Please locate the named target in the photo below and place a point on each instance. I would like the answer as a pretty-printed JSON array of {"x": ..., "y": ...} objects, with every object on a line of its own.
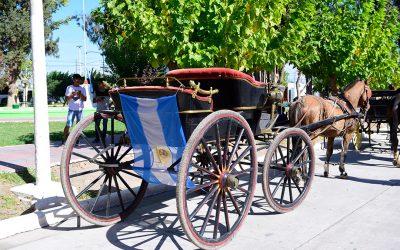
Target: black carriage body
[
  {"x": 381, "y": 103},
  {"x": 236, "y": 91}
]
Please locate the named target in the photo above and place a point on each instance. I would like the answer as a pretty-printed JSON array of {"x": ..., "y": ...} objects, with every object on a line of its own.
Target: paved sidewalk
[
  {"x": 19, "y": 157},
  {"x": 361, "y": 212}
]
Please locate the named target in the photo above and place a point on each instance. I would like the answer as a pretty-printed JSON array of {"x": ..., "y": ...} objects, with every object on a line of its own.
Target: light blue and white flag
[{"x": 157, "y": 138}]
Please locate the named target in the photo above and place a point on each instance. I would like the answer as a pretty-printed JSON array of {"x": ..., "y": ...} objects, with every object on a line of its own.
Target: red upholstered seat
[{"x": 211, "y": 73}]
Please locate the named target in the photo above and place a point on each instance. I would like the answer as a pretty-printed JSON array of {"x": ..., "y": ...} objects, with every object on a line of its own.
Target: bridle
[{"x": 364, "y": 107}]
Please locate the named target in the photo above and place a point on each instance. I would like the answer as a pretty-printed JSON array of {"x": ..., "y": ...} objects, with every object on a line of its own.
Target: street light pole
[{"x": 79, "y": 59}]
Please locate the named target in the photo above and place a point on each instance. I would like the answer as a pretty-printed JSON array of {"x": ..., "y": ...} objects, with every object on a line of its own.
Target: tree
[
  {"x": 352, "y": 39},
  {"x": 57, "y": 83},
  {"x": 15, "y": 42},
  {"x": 245, "y": 35}
]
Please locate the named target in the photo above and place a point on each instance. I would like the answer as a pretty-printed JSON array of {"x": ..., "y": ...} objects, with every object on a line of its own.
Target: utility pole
[
  {"x": 42, "y": 140},
  {"x": 84, "y": 37}
]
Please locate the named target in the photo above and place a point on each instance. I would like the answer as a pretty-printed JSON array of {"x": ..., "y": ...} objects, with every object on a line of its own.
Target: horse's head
[
  {"x": 366, "y": 94},
  {"x": 358, "y": 94}
]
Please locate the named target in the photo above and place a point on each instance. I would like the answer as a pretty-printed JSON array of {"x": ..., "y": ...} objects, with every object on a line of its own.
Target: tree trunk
[
  {"x": 298, "y": 84},
  {"x": 12, "y": 94},
  {"x": 309, "y": 86},
  {"x": 332, "y": 85},
  {"x": 281, "y": 75}
]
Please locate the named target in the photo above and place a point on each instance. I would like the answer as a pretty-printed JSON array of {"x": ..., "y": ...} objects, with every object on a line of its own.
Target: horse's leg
[
  {"x": 394, "y": 141},
  {"x": 329, "y": 151},
  {"x": 393, "y": 130},
  {"x": 345, "y": 146}
]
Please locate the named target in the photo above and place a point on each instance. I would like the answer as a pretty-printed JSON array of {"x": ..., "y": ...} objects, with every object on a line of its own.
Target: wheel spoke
[
  {"x": 287, "y": 149},
  {"x": 112, "y": 136},
  {"x": 243, "y": 190},
  {"x": 119, "y": 193},
  {"x": 226, "y": 149},
  {"x": 103, "y": 143},
  {"x": 203, "y": 227},
  {"x": 98, "y": 194},
  {"x": 300, "y": 154},
  {"x": 233, "y": 201},
  {"x": 281, "y": 154},
  {"x": 83, "y": 156},
  {"x": 92, "y": 145},
  {"x": 126, "y": 185},
  {"x": 108, "y": 198},
  {"x": 236, "y": 146},
  {"x": 203, "y": 169},
  {"x": 294, "y": 148},
  {"x": 197, "y": 209},
  {"x": 277, "y": 186},
  {"x": 290, "y": 189},
  {"x": 242, "y": 155},
  {"x": 189, "y": 191},
  {"x": 302, "y": 163},
  {"x": 217, "y": 213},
  {"x": 89, "y": 186},
  {"x": 297, "y": 186},
  {"x": 228, "y": 228},
  {"x": 84, "y": 173},
  {"x": 218, "y": 143},
  {"x": 132, "y": 174},
  {"x": 126, "y": 152},
  {"x": 120, "y": 144},
  {"x": 210, "y": 157},
  {"x": 246, "y": 171},
  {"x": 283, "y": 190}
]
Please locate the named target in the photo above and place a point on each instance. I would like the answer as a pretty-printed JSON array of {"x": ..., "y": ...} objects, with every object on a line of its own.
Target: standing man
[
  {"x": 75, "y": 95},
  {"x": 102, "y": 98}
]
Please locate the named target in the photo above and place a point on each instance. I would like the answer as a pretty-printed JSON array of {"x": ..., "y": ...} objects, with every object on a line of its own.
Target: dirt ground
[{"x": 10, "y": 205}]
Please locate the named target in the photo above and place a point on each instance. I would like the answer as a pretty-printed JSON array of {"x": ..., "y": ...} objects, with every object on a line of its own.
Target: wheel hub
[
  {"x": 292, "y": 171},
  {"x": 229, "y": 180}
]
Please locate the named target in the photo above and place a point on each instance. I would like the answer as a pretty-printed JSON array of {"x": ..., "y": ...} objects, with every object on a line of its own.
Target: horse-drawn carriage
[{"x": 199, "y": 130}]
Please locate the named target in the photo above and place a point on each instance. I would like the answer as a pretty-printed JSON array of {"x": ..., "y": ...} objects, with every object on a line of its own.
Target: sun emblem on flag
[{"x": 164, "y": 155}]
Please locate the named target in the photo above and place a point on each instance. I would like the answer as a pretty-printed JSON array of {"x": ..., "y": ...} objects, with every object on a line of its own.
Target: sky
[{"x": 71, "y": 36}]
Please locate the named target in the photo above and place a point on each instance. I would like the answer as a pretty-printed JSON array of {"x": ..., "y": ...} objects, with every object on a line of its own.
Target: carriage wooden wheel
[
  {"x": 96, "y": 177},
  {"x": 288, "y": 170},
  {"x": 211, "y": 212}
]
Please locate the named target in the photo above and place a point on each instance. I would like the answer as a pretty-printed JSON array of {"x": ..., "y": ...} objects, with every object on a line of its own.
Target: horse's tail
[{"x": 296, "y": 113}]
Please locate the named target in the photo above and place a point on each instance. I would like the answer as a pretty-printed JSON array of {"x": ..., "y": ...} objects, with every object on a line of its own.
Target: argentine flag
[{"x": 157, "y": 138}]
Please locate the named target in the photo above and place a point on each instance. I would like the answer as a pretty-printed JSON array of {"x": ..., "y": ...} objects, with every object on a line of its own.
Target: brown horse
[{"x": 311, "y": 109}]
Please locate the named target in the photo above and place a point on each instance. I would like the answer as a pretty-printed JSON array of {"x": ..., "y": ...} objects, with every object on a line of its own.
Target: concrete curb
[{"x": 52, "y": 216}]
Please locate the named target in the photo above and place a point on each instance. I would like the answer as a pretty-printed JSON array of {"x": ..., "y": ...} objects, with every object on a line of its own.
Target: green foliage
[
  {"x": 15, "y": 41},
  {"x": 57, "y": 83},
  {"x": 353, "y": 39},
  {"x": 245, "y": 35}
]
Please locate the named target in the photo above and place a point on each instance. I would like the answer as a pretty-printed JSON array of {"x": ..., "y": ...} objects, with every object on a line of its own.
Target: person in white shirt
[{"x": 75, "y": 95}]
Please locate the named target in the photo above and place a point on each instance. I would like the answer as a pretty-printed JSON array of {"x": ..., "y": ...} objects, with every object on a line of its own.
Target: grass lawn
[{"x": 17, "y": 133}]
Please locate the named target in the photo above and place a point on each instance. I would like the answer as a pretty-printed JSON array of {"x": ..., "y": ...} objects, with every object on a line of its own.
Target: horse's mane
[{"x": 352, "y": 84}]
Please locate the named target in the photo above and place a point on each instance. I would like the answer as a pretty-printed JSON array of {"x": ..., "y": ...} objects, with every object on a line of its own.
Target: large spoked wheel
[
  {"x": 212, "y": 208},
  {"x": 288, "y": 170},
  {"x": 96, "y": 175}
]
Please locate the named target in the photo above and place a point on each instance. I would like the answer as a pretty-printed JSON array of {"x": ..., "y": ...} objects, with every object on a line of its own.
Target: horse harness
[{"x": 347, "y": 108}]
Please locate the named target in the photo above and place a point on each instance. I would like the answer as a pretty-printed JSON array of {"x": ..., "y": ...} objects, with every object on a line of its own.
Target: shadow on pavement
[{"x": 154, "y": 228}]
